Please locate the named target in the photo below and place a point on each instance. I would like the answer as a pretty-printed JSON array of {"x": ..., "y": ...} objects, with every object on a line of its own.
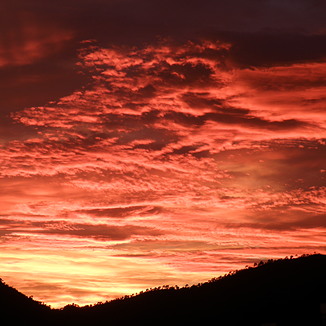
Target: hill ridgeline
[{"x": 275, "y": 293}]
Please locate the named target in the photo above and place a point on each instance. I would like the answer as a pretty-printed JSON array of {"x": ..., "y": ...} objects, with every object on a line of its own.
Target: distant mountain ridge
[{"x": 281, "y": 292}]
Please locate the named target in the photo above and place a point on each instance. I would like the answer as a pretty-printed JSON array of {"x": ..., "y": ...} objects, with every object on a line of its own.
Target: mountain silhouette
[
  {"x": 18, "y": 309},
  {"x": 274, "y": 293}
]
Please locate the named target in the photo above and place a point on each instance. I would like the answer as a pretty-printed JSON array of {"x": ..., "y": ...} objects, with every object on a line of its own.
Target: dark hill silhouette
[
  {"x": 282, "y": 292},
  {"x": 18, "y": 309}
]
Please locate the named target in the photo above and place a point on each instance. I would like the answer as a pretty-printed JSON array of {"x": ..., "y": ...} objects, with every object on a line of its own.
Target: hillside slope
[
  {"x": 283, "y": 292},
  {"x": 18, "y": 309}
]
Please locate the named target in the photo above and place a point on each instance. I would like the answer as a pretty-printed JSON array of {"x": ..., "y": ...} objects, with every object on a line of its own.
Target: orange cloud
[{"x": 169, "y": 162}]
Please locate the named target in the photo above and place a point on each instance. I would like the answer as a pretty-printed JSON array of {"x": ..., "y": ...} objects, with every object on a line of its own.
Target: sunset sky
[{"x": 147, "y": 142}]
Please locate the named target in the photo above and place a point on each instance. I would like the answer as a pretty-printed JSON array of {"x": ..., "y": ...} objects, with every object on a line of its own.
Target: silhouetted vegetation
[
  {"x": 18, "y": 309},
  {"x": 287, "y": 292}
]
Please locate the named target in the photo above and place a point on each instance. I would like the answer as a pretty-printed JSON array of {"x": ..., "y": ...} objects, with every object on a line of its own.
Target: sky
[{"x": 145, "y": 143}]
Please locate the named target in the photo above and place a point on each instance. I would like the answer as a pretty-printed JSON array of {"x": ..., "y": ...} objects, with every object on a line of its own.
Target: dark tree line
[{"x": 286, "y": 291}]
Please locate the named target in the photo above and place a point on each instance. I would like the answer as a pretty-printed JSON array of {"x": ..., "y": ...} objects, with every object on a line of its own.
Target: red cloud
[
  {"x": 29, "y": 39},
  {"x": 171, "y": 156}
]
